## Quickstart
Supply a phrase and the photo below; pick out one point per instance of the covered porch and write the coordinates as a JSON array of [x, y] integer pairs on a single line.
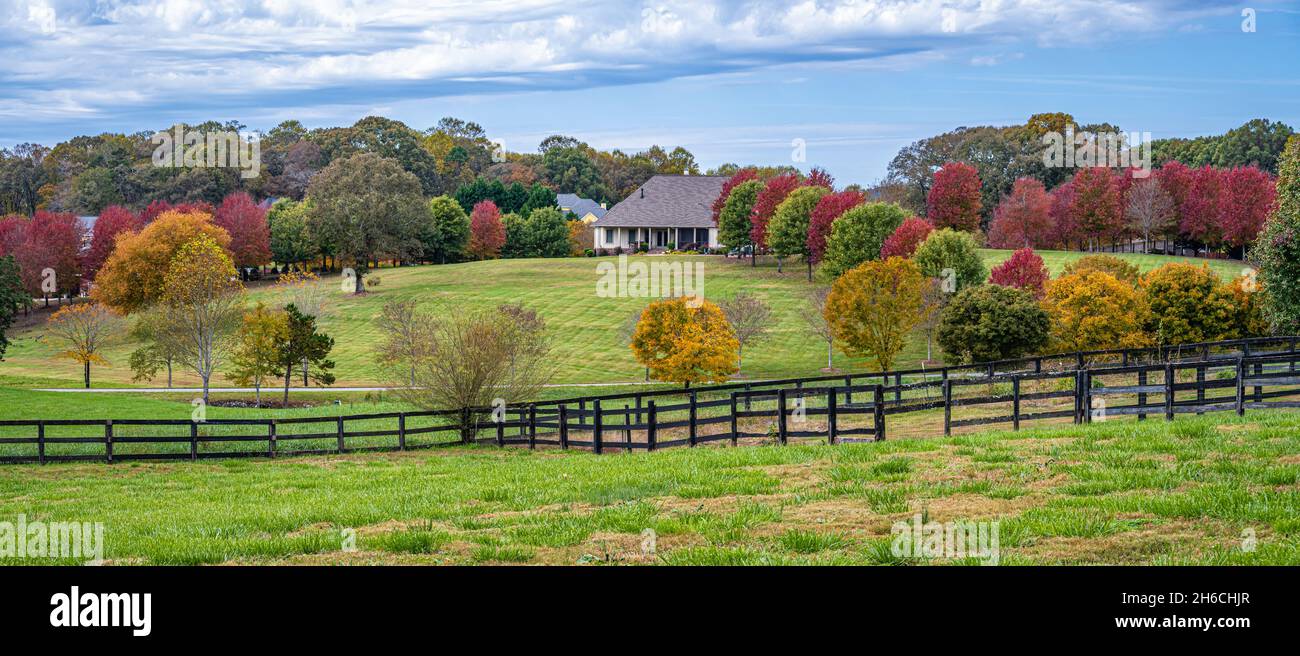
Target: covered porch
[[655, 238]]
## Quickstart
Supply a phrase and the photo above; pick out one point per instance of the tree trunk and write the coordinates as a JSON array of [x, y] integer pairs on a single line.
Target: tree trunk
[[87, 372], [809, 270], [778, 264], [169, 374], [753, 257], [257, 385], [360, 288], [304, 372], [288, 376], [830, 354]]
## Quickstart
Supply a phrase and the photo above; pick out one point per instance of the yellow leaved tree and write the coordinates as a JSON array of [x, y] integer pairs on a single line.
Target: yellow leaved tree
[[679, 343], [873, 306], [1093, 310], [85, 328]]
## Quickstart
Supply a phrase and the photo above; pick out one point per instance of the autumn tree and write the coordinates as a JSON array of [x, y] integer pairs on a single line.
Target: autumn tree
[[368, 208], [303, 345], [750, 320], [581, 237], [1277, 250], [1065, 231], [1092, 310], [823, 217], [1123, 270], [874, 306], [47, 249], [1023, 218], [1095, 208], [161, 345], [445, 235], [952, 257], [738, 178], [685, 344], [1203, 206], [133, 277], [1025, 270], [734, 227], [859, 235], [992, 322], [1149, 210], [255, 356], [250, 236], [202, 302], [402, 341], [1186, 304], [112, 221], [787, 233], [905, 240], [84, 329], [486, 233], [1249, 195], [954, 198], [765, 204]]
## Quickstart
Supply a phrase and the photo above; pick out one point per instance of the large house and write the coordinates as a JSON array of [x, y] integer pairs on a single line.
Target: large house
[[586, 209], [666, 210]]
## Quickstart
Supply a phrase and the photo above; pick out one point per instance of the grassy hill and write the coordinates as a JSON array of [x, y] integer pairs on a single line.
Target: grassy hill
[[587, 349]]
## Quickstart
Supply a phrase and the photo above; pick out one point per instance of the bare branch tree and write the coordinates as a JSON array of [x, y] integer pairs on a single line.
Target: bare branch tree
[[403, 336], [816, 319], [1150, 210], [85, 328], [628, 329], [750, 319]]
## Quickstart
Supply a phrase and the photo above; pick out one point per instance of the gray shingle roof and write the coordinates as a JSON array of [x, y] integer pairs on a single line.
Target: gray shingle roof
[[579, 205], [668, 201]]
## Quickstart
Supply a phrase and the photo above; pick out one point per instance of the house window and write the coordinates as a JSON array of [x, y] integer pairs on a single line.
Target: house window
[[609, 235]]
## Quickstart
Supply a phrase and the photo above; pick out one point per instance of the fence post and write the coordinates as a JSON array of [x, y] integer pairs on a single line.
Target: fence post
[[532, 425], [1169, 391], [1259, 391], [1038, 365], [780, 417], [108, 440], [627, 432], [1078, 397], [878, 412], [564, 426], [597, 430], [848, 389], [651, 421], [270, 438], [638, 408], [194, 440], [1015, 403], [1085, 382], [733, 419], [1200, 386], [1142, 396], [501, 431], [340, 434], [947, 406], [830, 415], [747, 397], [401, 431], [692, 434], [898, 388], [1241, 386], [40, 442]]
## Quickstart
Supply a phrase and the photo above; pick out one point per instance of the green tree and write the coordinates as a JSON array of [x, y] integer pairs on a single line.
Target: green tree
[[992, 322], [1187, 304], [291, 239], [303, 343], [255, 357], [787, 232], [368, 208], [546, 234], [446, 234], [13, 297], [858, 235], [733, 221], [953, 257], [1277, 249], [539, 197]]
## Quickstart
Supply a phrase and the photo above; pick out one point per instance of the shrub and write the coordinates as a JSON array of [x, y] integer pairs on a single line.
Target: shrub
[[1023, 270], [1117, 267], [948, 249], [1093, 310], [858, 236], [993, 322], [1187, 304]]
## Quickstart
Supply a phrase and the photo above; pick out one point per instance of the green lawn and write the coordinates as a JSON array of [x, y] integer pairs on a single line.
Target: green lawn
[[585, 326], [1117, 492]]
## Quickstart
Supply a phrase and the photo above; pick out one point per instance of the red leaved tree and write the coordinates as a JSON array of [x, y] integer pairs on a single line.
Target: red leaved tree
[[49, 255], [765, 206], [1064, 229], [250, 235], [740, 177], [112, 221], [818, 177], [151, 212], [1023, 218], [829, 208], [954, 198], [1249, 195], [906, 238], [486, 233], [1202, 206], [1023, 270], [1095, 208]]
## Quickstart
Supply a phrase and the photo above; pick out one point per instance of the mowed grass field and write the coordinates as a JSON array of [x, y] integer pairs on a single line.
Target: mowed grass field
[[586, 328], [1217, 489]]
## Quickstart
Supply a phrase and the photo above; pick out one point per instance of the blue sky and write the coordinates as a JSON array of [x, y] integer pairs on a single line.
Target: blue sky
[[731, 81]]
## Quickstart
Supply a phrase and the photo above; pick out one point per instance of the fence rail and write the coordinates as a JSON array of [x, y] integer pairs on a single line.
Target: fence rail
[[1082, 387]]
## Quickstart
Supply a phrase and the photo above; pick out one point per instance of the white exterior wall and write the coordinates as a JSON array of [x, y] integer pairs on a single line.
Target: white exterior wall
[[625, 237]]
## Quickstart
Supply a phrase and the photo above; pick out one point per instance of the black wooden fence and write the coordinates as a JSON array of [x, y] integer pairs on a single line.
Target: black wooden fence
[[1082, 387]]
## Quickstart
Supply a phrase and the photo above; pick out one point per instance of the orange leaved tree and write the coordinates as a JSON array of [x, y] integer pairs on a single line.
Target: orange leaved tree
[[85, 328], [1094, 310], [679, 343], [132, 277], [873, 307]]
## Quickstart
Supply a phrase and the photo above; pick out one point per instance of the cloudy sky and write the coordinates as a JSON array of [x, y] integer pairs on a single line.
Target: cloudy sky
[[731, 81]]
